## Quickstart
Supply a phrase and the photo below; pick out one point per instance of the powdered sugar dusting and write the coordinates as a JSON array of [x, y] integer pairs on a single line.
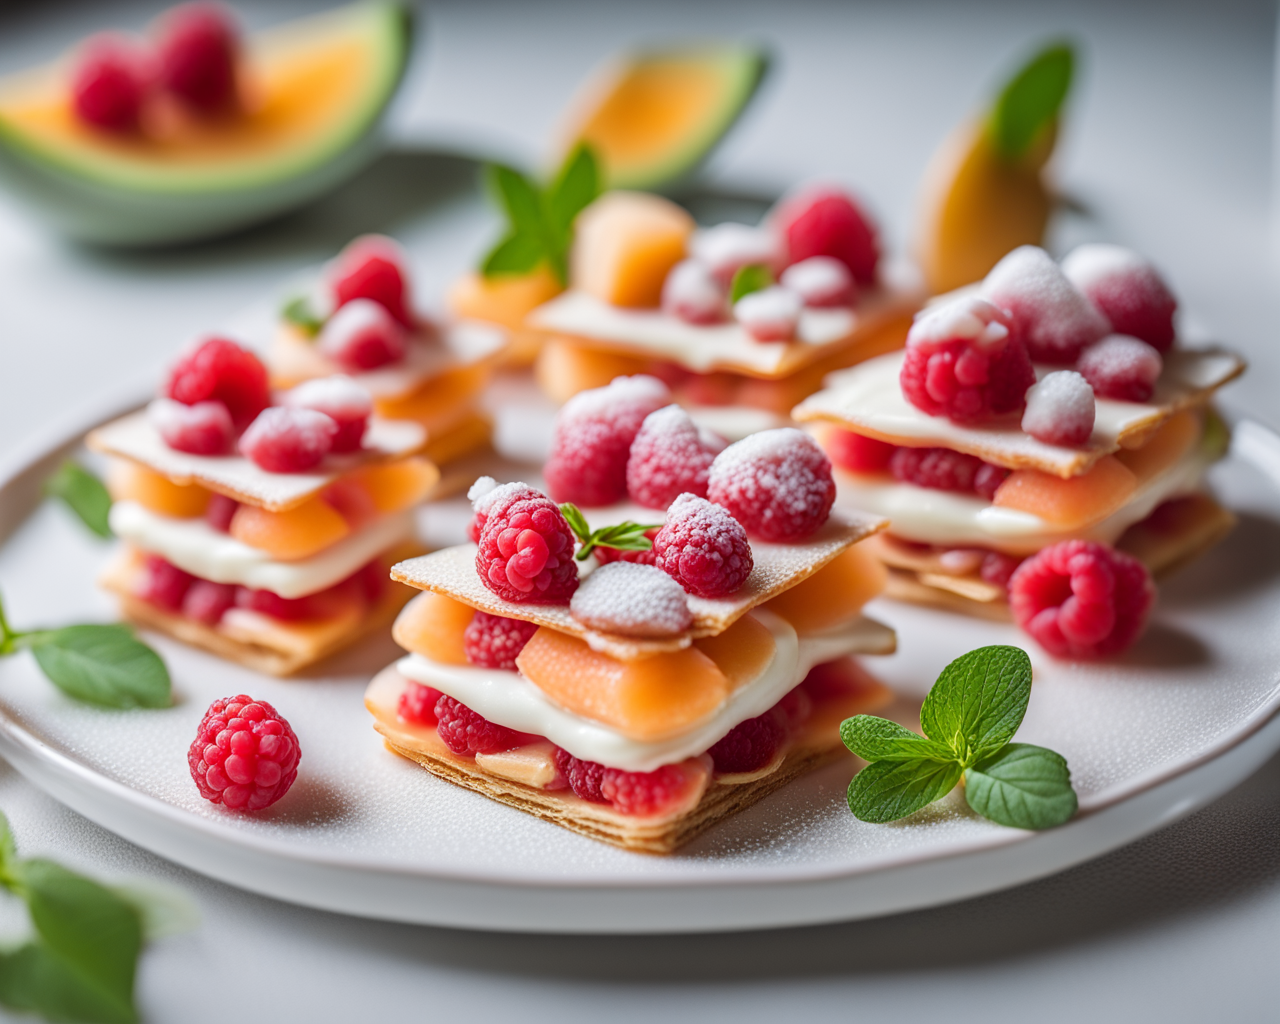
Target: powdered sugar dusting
[[486, 492], [1087, 264], [771, 314], [669, 456], [728, 247], [967, 318], [621, 392], [820, 281], [1060, 409], [631, 600], [1122, 367], [692, 293], [1056, 320], [338, 396], [776, 483]]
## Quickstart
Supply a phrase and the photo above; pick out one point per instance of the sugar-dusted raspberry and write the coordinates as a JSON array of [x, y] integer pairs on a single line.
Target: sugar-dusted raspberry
[[1121, 367], [1127, 289], [632, 600], [606, 555], [372, 267], [417, 704], [1060, 409], [776, 483], [284, 440], [245, 755], [858, 453], [692, 293], [583, 777], [487, 495], [825, 220], [526, 552], [821, 281], [998, 568], [965, 360], [726, 248], [1056, 322], [1081, 599], [592, 437], [466, 732], [495, 641], [220, 370], [163, 583], [670, 456], [198, 47], [703, 548], [201, 429], [771, 314], [220, 512], [207, 601], [749, 745], [109, 83], [362, 336], [342, 400], [642, 793], [939, 469]]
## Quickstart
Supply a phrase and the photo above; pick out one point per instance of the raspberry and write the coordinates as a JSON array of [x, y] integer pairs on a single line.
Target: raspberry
[[703, 548], [487, 495], [1056, 322], [727, 248], [942, 469], [642, 793], [821, 281], [219, 513], [592, 439], [771, 314], [417, 704], [207, 601], [606, 555], [632, 600], [109, 84], [364, 585], [1060, 409], [988, 480], [495, 641], [163, 583], [342, 400], [1121, 367], [1128, 291], [201, 429], [372, 267], [283, 440], [825, 221], [351, 499], [583, 777], [466, 732], [670, 456], [857, 453], [1081, 599], [750, 745], [998, 568], [245, 755], [526, 552], [198, 48], [692, 293], [221, 370], [965, 360], [776, 483], [362, 336]]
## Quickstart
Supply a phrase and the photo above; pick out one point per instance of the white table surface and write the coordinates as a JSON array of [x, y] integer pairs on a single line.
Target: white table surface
[[1168, 149]]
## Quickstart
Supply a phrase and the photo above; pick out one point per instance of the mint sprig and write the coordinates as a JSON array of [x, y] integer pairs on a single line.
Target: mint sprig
[[627, 536], [754, 277], [1030, 101], [969, 719], [83, 493], [297, 311]]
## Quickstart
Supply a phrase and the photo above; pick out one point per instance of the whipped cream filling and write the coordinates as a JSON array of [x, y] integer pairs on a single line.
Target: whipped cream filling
[[194, 545]]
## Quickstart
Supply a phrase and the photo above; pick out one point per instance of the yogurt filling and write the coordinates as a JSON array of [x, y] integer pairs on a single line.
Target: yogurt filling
[[195, 546], [509, 699]]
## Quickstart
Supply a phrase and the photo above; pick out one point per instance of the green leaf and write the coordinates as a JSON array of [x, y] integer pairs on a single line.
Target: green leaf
[[1216, 438], [164, 910], [515, 254], [298, 312], [575, 187], [978, 702], [519, 198], [754, 277], [104, 665], [83, 493], [576, 520], [889, 790], [8, 851], [35, 980], [1022, 786], [625, 536], [1030, 102], [878, 739]]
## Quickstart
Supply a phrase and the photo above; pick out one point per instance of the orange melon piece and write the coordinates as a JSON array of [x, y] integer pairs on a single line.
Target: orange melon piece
[[742, 651], [834, 594], [625, 244], [432, 625], [296, 533], [647, 700], [564, 368], [439, 400], [1169, 444], [129, 481], [505, 299], [393, 486], [1070, 504]]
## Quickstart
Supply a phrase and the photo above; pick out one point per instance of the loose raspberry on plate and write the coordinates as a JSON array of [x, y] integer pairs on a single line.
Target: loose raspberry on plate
[[726, 248], [1080, 599], [342, 400], [943, 469], [1056, 322], [670, 456], [372, 267], [858, 453], [487, 495], [245, 755], [417, 704], [220, 512], [284, 440], [776, 483], [1121, 367], [163, 583], [821, 281], [584, 777], [825, 221], [592, 437], [771, 314], [692, 293], [750, 745], [109, 83], [466, 732], [198, 48], [207, 601], [703, 548], [526, 552], [632, 600], [1060, 409], [1128, 291], [220, 370], [201, 429], [362, 336], [965, 360], [495, 641]]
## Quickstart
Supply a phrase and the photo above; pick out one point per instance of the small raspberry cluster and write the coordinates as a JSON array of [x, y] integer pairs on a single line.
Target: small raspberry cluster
[[372, 320], [525, 549], [245, 755], [640, 794]]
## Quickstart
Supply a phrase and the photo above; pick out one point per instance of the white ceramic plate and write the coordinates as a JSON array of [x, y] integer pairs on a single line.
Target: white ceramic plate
[[1180, 720]]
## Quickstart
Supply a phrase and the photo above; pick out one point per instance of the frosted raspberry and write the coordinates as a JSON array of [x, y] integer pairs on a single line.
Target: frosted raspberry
[[1056, 322], [1128, 291], [607, 555], [220, 370], [526, 553], [245, 755], [943, 469], [592, 439], [583, 777], [1121, 367], [642, 793], [998, 568], [631, 600], [776, 483], [466, 732], [495, 641], [283, 440], [487, 495], [342, 400], [207, 601], [826, 221], [163, 583], [1060, 409], [858, 453], [198, 47], [771, 314], [362, 336], [1080, 599], [750, 745], [109, 83], [372, 267], [201, 429], [965, 360], [703, 548], [692, 293], [821, 281], [670, 456], [417, 704], [727, 248], [220, 512]]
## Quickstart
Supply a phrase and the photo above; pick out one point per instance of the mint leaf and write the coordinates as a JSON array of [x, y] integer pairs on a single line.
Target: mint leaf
[[889, 790], [576, 520], [83, 493], [978, 702], [878, 739], [625, 536], [8, 852], [1023, 786], [297, 311], [104, 665], [519, 198], [163, 910], [576, 186], [1030, 102], [35, 980], [515, 254], [754, 277]]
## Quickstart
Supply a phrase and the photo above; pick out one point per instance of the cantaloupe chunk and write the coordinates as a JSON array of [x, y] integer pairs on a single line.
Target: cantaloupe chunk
[[742, 651], [834, 594], [432, 625], [625, 244], [1169, 444], [650, 699], [128, 481], [564, 368], [440, 399], [296, 533], [393, 486], [1070, 504], [506, 299]]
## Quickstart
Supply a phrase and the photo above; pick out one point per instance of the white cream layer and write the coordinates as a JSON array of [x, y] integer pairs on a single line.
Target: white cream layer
[[194, 545]]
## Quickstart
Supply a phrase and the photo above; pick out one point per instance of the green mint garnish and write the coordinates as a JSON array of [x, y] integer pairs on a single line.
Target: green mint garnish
[[1030, 102], [755, 277], [969, 719], [298, 312], [83, 493], [626, 536]]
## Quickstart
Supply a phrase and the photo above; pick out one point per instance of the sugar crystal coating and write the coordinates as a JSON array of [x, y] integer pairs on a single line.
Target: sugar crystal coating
[[631, 600], [771, 314], [486, 494], [342, 399], [525, 552], [670, 456], [284, 440], [1060, 409], [776, 483], [821, 281], [1127, 289], [245, 755], [204, 428], [1055, 320], [726, 248], [362, 335], [692, 293], [703, 548], [1121, 367]]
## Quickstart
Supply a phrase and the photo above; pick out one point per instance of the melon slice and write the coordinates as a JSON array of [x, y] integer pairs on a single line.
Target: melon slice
[[130, 481], [321, 85], [626, 243], [1070, 504], [433, 625], [834, 594]]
